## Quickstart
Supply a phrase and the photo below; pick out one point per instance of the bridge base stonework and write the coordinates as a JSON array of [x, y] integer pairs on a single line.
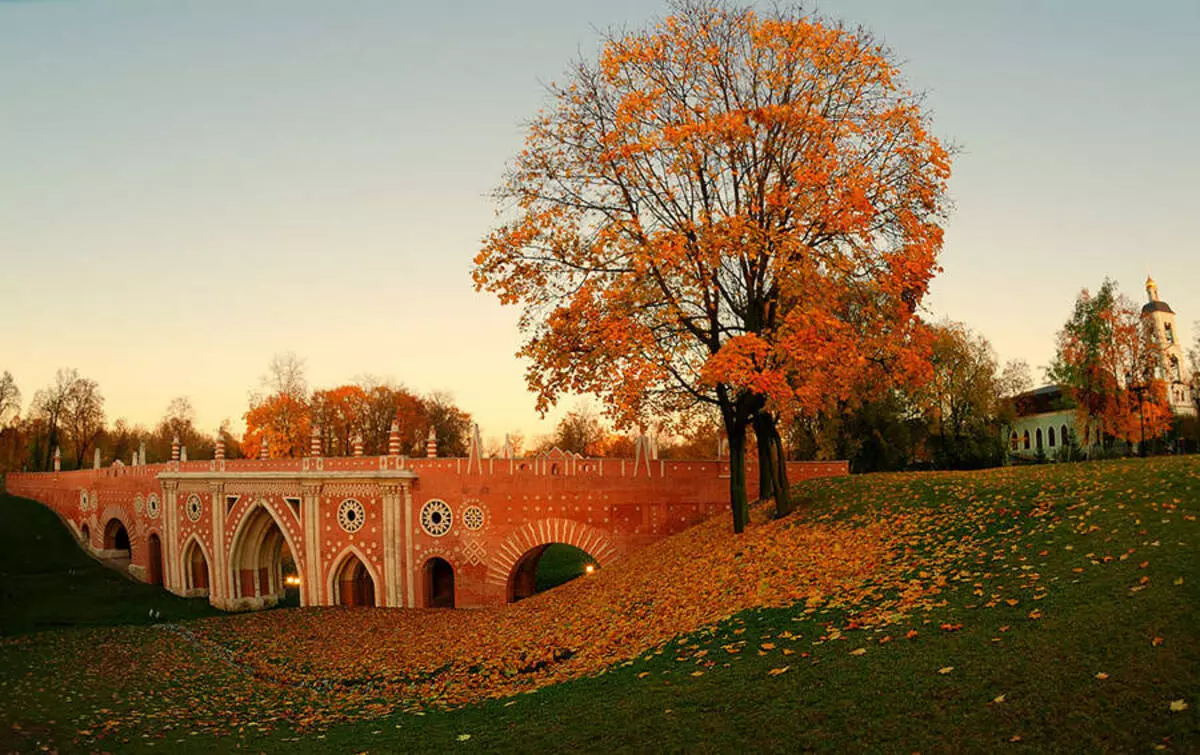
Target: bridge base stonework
[[384, 531]]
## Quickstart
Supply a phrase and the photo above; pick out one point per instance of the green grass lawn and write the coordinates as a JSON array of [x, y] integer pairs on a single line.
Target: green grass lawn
[[559, 565], [48, 582], [1066, 621]]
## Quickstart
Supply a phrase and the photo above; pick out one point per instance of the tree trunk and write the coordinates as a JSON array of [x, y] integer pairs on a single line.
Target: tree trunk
[[784, 503], [763, 426], [737, 476]]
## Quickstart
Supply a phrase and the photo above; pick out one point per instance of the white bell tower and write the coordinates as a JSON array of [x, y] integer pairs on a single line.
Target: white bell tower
[[1162, 318]]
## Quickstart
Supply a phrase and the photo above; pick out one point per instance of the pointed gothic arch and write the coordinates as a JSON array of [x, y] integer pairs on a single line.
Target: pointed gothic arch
[[194, 565], [257, 557], [352, 580]]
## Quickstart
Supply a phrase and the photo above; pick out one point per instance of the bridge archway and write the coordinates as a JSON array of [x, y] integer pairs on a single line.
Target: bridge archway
[[516, 568], [116, 538], [195, 569], [352, 582], [261, 558], [533, 573], [437, 580], [154, 563]]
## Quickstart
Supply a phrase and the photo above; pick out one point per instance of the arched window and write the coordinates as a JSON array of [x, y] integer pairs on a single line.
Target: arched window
[[1026, 440], [1064, 438], [1039, 439], [1176, 372], [1050, 437], [1170, 333], [1013, 441]]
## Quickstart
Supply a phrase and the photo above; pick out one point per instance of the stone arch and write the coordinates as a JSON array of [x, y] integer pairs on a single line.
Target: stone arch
[[117, 542], [343, 571], [195, 565], [256, 556], [437, 583], [85, 535], [540, 533]]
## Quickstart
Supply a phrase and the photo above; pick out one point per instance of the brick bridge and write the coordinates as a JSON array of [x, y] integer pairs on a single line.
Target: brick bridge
[[383, 530]]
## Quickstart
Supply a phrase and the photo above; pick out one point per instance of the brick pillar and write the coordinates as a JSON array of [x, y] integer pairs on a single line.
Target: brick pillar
[[314, 448], [221, 584], [264, 452], [219, 449], [358, 444], [172, 571], [175, 448], [392, 595], [57, 459], [407, 528], [431, 444], [312, 591]]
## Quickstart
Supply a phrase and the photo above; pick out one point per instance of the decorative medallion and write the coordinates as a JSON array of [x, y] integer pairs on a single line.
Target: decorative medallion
[[194, 507], [472, 517], [436, 517], [351, 515], [152, 506], [138, 504], [83, 500]]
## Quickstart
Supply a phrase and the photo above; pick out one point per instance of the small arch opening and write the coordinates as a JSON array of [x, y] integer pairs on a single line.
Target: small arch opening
[[353, 584], [116, 538], [438, 580], [154, 567], [1026, 440], [85, 534], [1039, 439], [1050, 437], [195, 570]]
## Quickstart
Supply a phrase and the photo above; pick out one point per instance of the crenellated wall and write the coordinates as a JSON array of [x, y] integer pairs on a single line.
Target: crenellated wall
[[371, 530]]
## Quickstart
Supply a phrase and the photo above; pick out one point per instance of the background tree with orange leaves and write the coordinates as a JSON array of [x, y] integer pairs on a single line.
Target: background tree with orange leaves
[[728, 209], [1109, 360]]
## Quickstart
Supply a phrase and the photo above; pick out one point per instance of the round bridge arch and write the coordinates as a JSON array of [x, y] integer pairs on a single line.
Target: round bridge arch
[[515, 568], [116, 538]]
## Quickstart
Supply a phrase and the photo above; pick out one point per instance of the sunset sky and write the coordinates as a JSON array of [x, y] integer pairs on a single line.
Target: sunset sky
[[187, 188]]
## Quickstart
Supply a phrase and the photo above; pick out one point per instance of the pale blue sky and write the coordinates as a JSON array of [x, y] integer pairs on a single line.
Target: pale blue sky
[[187, 188]]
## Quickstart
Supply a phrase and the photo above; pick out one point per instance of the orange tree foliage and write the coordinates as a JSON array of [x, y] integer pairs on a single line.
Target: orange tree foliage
[[727, 209], [1110, 361], [347, 411]]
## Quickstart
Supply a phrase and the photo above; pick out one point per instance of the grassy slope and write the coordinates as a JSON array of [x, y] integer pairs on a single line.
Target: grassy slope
[[1042, 654], [47, 581]]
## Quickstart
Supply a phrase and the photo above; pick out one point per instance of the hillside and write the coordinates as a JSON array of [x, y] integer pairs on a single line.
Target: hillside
[[1054, 606]]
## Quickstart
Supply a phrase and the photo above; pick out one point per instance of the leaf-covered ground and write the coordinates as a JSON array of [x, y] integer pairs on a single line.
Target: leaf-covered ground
[[1054, 606]]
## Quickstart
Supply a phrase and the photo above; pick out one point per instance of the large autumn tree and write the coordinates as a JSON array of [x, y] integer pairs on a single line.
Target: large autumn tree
[[1109, 360], [727, 209]]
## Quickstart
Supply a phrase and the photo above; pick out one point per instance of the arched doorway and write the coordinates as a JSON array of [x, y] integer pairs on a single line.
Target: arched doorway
[[353, 584], [154, 564], [85, 534], [261, 560], [195, 570], [548, 566], [116, 538], [438, 581]]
